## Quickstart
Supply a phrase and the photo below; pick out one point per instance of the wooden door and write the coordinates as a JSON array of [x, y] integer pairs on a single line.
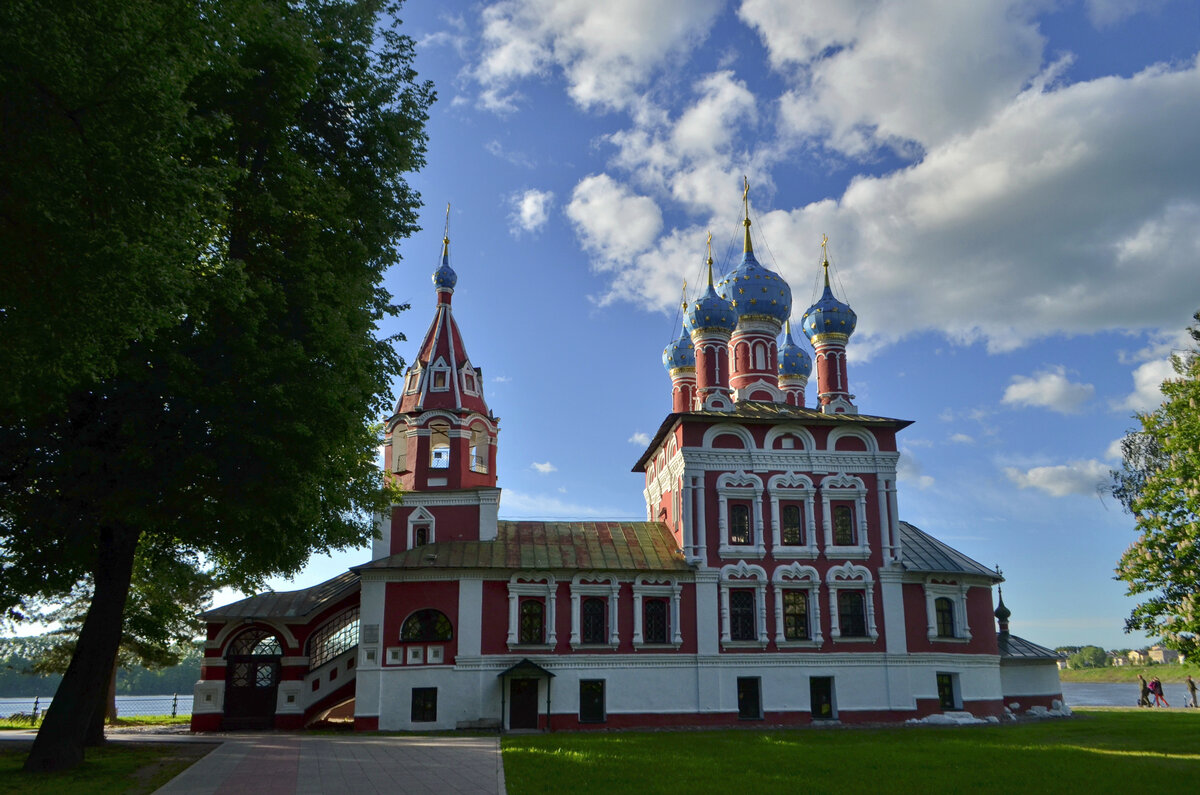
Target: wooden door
[[523, 704]]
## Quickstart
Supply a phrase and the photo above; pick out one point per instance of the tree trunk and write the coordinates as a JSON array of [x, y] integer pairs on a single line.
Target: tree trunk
[[60, 741], [105, 710]]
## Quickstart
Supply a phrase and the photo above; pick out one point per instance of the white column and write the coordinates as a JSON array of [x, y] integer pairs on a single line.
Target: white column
[[637, 615], [552, 613], [676, 630], [779, 614], [701, 523], [885, 526], [897, 544], [512, 618], [574, 618], [725, 638], [689, 529]]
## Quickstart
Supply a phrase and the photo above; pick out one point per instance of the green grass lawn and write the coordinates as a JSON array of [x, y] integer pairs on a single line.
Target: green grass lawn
[[115, 768], [132, 720], [1100, 750]]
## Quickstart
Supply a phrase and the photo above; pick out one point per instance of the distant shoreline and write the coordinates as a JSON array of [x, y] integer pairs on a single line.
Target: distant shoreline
[[1174, 672]]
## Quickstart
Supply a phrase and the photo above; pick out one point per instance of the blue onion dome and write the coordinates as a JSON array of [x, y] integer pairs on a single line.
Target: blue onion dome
[[794, 361], [444, 278], [828, 315], [680, 354], [710, 311], [756, 292]]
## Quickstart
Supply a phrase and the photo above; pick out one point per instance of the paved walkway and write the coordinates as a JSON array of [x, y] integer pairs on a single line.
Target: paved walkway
[[288, 763]]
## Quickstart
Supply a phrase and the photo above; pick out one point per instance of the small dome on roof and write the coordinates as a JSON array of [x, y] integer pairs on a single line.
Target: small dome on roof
[[680, 353], [710, 311], [829, 315], [444, 278], [794, 361], [756, 291]]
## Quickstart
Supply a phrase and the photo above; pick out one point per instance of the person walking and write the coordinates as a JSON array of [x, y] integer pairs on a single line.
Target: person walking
[[1156, 689], [1144, 694], [1191, 686]]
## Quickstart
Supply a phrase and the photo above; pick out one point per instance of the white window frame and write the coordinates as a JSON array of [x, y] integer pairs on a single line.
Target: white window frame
[[796, 577], [421, 516], [594, 584], [841, 488], [741, 485], [793, 487], [650, 587], [412, 381], [534, 584], [470, 387], [956, 592], [739, 576], [849, 576], [440, 366]]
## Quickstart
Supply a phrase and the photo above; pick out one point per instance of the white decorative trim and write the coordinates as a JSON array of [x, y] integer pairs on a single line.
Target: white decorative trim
[[649, 586], [594, 584], [845, 487], [844, 431], [538, 584], [956, 592], [795, 577], [421, 516], [234, 627], [808, 442], [851, 576], [728, 429], [742, 574], [740, 485], [793, 487]]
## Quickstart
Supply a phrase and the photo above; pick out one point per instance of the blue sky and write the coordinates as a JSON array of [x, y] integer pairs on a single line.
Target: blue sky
[[1011, 192]]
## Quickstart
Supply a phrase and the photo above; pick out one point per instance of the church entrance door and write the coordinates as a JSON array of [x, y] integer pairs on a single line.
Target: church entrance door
[[523, 704], [252, 680]]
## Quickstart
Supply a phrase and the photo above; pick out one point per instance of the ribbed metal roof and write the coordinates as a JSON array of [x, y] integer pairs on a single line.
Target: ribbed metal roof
[[761, 411], [627, 546], [288, 604], [923, 552], [1015, 648]]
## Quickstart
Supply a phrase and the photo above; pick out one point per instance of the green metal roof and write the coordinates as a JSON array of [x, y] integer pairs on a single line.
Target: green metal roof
[[625, 546]]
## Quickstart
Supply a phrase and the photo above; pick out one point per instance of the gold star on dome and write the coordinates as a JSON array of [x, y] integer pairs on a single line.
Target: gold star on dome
[[741, 290]]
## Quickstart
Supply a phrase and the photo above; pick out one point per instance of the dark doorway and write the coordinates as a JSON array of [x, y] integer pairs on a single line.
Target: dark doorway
[[424, 704], [591, 701], [749, 698], [945, 688], [820, 694], [523, 704], [252, 681]]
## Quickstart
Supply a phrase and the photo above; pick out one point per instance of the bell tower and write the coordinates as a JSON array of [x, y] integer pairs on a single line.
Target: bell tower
[[440, 446]]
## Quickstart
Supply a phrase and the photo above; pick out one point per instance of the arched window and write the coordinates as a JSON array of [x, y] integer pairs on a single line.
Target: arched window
[[741, 616], [592, 617], [479, 450], [843, 526], [400, 448], [439, 446], [533, 621], [654, 622], [257, 643], [739, 525], [795, 615], [943, 609], [792, 532], [852, 614], [425, 626], [336, 636]]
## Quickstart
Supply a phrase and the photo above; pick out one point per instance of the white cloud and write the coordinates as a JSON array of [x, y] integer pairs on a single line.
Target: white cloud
[[612, 221], [908, 469], [1113, 451], [640, 438], [501, 379], [1078, 477], [961, 438], [496, 149], [1147, 382], [544, 468], [1106, 13], [1049, 389], [519, 505], [604, 50], [530, 210]]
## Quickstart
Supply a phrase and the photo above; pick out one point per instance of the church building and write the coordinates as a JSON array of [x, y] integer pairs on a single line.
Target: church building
[[773, 579]]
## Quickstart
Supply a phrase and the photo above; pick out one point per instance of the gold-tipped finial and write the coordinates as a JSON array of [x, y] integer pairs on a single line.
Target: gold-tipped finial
[[787, 327], [683, 299], [709, 243], [446, 235], [747, 246], [825, 256]]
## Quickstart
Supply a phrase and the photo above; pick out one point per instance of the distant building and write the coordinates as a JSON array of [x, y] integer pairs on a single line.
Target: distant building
[[1138, 657], [1161, 654], [772, 580]]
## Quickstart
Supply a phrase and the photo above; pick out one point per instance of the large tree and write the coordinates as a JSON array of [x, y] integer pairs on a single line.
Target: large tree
[[1159, 484], [238, 435]]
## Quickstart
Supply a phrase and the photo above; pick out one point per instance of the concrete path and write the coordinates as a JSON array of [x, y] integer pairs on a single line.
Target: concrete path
[[300, 764], [290, 763]]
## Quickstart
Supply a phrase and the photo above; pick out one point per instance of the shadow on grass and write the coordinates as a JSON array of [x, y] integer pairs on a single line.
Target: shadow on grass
[[1095, 752]]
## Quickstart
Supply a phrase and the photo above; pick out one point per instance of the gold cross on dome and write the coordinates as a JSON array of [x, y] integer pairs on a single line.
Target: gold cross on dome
[[824, 243]]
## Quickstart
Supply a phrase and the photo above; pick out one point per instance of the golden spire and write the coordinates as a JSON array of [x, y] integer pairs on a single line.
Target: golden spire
[[747, 247], [683, 300], [787, 327], [710, 280], [446, 235], [825, 257]]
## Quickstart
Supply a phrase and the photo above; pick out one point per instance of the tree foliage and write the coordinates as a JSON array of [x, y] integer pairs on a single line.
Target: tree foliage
[[1088, 657], [230, 428], [1159, 485]]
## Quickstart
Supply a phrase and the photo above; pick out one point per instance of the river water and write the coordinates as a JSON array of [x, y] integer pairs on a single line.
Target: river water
[[1107, 694], [126, 705]]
